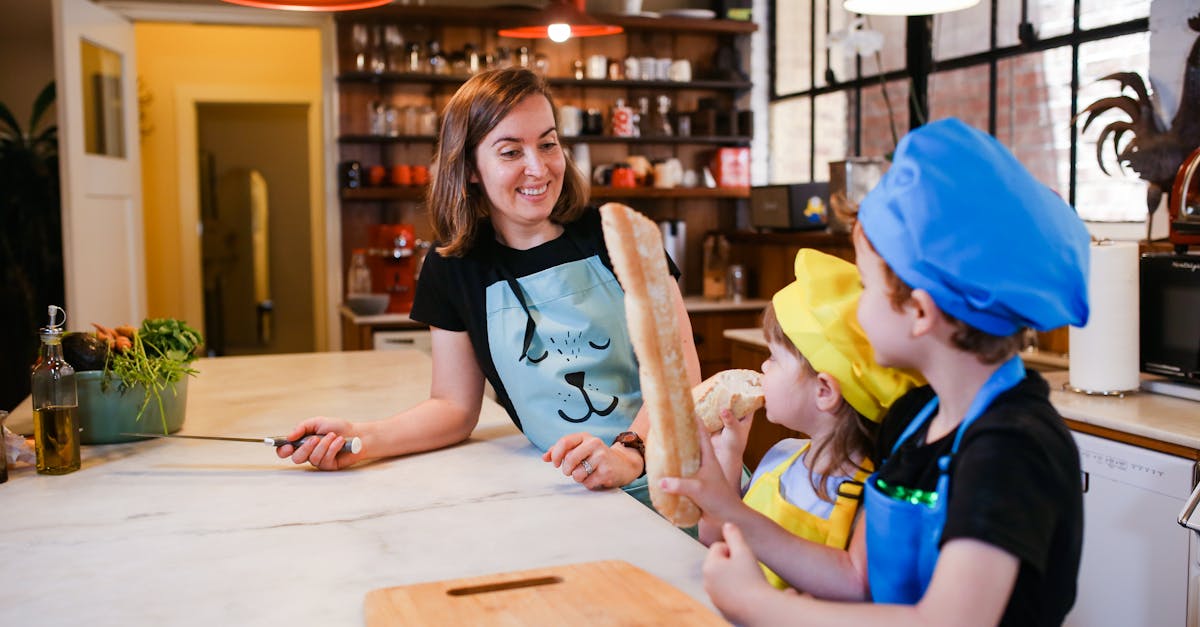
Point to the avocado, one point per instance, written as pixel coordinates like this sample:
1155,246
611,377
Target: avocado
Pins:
84,351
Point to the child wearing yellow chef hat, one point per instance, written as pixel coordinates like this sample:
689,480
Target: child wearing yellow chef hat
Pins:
974,515
821,380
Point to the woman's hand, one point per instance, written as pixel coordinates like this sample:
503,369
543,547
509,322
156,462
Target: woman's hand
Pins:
323,446
609,468
733,579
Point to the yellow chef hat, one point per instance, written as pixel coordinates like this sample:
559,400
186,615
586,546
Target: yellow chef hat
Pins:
818,313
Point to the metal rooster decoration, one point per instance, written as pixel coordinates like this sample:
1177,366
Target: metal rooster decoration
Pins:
1155,152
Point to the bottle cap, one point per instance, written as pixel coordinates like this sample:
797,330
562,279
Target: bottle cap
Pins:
58,317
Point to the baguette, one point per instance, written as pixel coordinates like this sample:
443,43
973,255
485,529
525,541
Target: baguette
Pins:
739,391
672,447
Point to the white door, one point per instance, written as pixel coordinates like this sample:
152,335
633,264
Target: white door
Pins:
100,165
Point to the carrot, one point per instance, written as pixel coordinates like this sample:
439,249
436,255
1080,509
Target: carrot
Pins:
103,332
122,344
126,331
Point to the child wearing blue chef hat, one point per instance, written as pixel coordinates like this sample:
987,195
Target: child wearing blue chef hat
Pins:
975,514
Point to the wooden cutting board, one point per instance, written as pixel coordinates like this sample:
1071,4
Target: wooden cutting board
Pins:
593,593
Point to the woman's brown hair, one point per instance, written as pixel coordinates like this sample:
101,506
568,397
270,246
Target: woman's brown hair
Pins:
456,204
853,435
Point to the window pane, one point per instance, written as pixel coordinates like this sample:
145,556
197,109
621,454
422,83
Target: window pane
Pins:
893,29
962,94
1033,114
960,33
1097,13
1049,18
877,139
831,137
793,35
790,139
103,108
1120,195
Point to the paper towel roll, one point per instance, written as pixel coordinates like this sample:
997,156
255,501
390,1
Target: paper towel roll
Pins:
1104,354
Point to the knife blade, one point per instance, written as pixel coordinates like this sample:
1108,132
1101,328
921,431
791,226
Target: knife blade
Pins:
353,445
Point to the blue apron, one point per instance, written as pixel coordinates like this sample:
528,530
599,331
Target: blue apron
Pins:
561,347
903,537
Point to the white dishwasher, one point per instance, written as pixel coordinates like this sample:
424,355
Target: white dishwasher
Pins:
1139,567
418,339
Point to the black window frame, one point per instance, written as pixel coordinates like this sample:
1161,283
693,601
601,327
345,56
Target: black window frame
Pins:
919,65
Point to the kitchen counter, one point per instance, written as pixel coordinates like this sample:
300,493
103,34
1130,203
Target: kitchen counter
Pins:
185,532
358,331
1155,421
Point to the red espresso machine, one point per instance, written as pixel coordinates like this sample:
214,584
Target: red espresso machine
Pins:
393,264
1184,205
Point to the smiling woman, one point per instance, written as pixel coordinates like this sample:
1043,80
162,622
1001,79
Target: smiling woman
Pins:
519,292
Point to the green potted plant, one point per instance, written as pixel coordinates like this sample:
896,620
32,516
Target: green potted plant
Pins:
31,270
132,380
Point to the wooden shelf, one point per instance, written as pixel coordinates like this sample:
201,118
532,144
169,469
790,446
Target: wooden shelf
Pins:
417,193
514,16
582,83
716,140
675,192
384,193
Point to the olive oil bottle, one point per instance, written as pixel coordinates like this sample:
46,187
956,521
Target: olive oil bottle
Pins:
55,424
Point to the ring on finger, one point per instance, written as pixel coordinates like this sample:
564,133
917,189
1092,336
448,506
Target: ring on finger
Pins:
587,467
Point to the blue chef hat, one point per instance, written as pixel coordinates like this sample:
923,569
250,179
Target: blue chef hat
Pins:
959,217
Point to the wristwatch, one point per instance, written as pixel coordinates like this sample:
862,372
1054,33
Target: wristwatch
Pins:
634,441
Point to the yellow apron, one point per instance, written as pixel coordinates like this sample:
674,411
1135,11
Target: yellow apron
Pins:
765,497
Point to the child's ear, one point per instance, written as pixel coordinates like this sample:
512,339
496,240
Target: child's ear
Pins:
923,312
829,392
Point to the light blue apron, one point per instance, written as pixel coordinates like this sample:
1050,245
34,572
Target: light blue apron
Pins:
564,355
903,537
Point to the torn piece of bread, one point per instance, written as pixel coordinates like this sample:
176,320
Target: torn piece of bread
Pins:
739,390
672,449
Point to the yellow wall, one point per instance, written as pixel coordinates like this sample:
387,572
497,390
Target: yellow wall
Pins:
174,56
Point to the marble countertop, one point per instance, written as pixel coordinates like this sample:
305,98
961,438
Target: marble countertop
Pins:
185,532
1148,415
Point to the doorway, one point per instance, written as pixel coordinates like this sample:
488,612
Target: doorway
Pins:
255,207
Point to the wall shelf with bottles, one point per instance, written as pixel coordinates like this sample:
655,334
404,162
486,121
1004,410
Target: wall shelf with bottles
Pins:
600,83
385,78
415,193
719,140
501,17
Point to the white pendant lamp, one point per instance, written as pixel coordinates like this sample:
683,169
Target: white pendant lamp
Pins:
906,7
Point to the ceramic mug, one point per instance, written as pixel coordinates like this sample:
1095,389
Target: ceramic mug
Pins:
597,66
570,120
681,71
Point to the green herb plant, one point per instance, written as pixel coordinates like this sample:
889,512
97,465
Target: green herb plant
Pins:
159,357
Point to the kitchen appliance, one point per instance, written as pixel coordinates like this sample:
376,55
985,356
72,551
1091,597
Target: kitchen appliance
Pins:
789,207
849,182
392,263
674,234
1138,566
595,593
1184,209
1170,308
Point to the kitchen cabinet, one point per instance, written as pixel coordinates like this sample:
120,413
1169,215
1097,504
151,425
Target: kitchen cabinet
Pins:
712,47
708,331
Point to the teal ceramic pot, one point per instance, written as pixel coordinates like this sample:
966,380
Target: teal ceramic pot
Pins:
105,414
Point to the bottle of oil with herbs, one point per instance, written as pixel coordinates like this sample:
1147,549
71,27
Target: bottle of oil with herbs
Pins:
55,423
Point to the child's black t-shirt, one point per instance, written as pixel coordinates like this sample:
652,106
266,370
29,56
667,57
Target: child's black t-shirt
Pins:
1015,484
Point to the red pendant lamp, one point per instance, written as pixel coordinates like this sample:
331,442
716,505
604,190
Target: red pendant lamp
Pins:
560,20
311,5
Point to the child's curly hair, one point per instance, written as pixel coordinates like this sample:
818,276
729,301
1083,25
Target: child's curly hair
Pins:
988,348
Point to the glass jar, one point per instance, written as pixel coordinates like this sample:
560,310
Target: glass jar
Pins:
55,401
358,278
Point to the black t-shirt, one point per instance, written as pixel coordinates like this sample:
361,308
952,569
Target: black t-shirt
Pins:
452,291
1015,483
